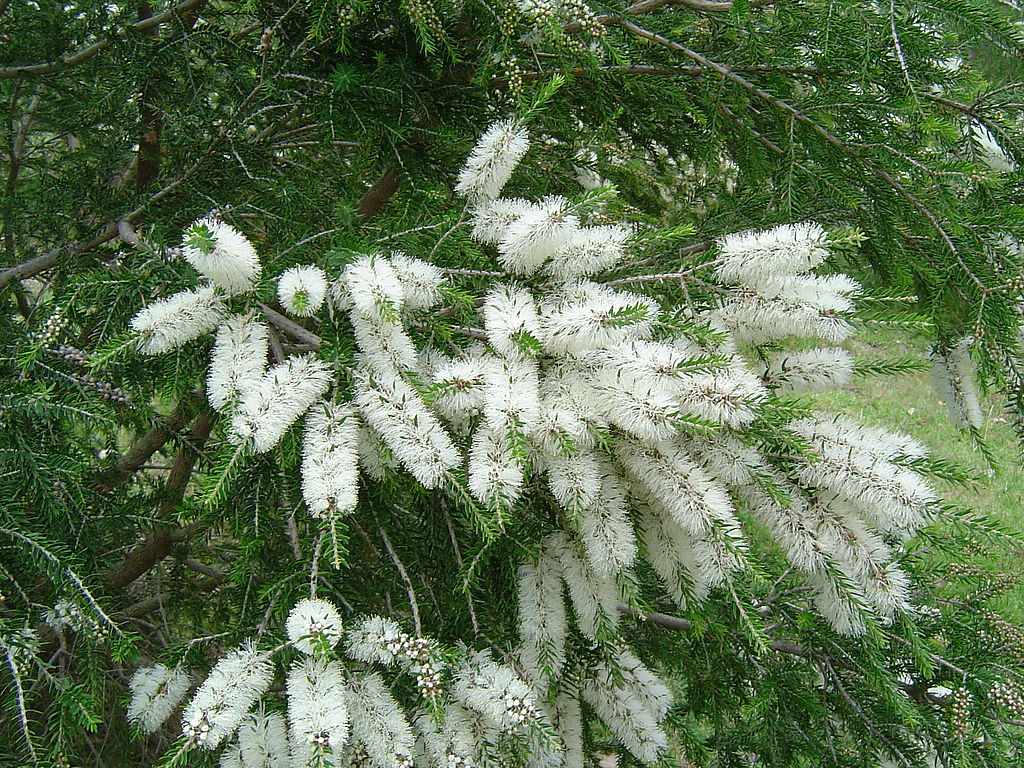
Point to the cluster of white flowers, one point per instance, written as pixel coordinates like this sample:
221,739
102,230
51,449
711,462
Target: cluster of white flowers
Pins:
168,323
378,723
222,254
330,460
614,405
275,401
218,707
494,691
302,290
239,358
262,742
954,381
318,711
156,691
68,615
314,626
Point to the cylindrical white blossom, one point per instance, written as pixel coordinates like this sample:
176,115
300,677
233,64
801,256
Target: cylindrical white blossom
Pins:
302,290
318,711
221,253
954,382
542,620
156,691
379,723
168,323
314,626
229,691
278,400
238,361
591,316
495,470
494,691
543,230
492,161
491,219
412,432
330,459
511,322
589,250
785,250
376,640
812,370
421,281
594,600
263,741
373,287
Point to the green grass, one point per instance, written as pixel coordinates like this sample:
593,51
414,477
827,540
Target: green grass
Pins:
907,403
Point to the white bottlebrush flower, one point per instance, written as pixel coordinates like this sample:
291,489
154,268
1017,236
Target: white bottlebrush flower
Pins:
375,458
379,723
459,387
495,471
318,711
156,691
386,344
542,619
605,528
594,600
412,432
992,154
421,281
221,253
222,701
842,607
263,741
491,219
954,381
896,498
330,459
494,691
789,249
729,397
575,479
278,400
670,552
314,625
753,319
828,293
511,321
590,250
666,473
626,716
592,316
302,290
374,287
445,744
168,323
238,361
512,398
492,161
376,640
791,525
638,680
645,410
812,370
544,230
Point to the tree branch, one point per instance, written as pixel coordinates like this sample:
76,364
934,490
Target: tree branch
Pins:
84,54
140,453
377,195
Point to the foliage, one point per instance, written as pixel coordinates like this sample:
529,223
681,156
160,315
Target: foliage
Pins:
325,129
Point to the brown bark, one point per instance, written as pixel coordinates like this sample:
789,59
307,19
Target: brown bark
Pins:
377,195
